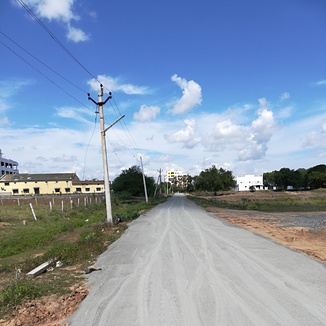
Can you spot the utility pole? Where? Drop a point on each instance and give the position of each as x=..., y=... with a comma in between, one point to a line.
x=160, y=184
x=100, y=104
x=144, y=180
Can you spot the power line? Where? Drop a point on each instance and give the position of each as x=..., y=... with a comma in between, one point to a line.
x=86, y=152
x=46, y=77
x=44, y=64
x=55, y=38
x=48, y=31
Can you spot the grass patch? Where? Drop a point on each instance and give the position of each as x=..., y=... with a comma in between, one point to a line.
x=312, y=201
x=75, y=237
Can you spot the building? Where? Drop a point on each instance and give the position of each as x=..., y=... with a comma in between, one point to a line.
x=47, y=184
x=250, y=182
x=7, y=166
x=177, y=179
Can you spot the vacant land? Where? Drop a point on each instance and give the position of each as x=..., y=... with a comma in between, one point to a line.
x=69, y=231
x=294, y=219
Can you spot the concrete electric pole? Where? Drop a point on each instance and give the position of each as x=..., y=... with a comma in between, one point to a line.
x=144, y=179
x=100, y=104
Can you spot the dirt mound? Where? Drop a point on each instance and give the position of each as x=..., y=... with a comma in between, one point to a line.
x=47, y=311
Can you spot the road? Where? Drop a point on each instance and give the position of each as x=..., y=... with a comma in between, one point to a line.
x=179, y=265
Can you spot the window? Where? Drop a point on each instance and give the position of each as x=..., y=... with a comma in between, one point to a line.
x=7, y=183
x=67, y=189
x=78, y=189
x=98, y=189
x=15, y=191
x=26, y=191
x=56, y=190
x=87, y=189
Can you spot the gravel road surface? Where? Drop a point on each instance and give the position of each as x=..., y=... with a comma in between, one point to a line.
x=179, y=265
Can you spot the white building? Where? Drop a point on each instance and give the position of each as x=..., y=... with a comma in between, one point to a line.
x=244, y=183
x=7, y=166
x=176, y=178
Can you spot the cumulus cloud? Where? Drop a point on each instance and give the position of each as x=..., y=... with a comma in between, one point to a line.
x=114, y=84
x=60, y=11
x=191, y=96
x=250, y=141
x=261, y=131
x=187, y=136
x=147, y=113
x=76, y=35
x=53, y=9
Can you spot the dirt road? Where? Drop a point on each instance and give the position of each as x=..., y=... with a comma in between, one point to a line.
x=179, y=265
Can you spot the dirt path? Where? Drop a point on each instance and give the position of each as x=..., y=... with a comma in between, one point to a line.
x=177, y=265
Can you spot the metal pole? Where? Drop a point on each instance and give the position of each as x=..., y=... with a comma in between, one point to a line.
x=105, y=161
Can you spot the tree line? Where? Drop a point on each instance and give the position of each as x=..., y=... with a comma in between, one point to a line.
x=130, y=182
x=312, y=178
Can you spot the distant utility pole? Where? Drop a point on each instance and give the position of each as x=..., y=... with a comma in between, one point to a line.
x=144, y=179
x=160, y=172
x=159, y=181
x=100, y=104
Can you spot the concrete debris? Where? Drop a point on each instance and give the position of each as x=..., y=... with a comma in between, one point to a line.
x=91, y=269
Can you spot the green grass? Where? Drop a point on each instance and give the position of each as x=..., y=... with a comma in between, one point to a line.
x=75, y=237
x=284, y=202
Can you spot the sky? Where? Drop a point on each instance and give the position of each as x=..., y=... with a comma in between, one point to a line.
x=236, y=84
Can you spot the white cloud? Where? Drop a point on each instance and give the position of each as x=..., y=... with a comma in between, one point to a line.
x=8, y=89
x=320, y=83
x=75, y=114
x=53, y=9
x=285, y=96
x=248, y=141
x=147, y=113
x=4, y=122
x=60, y=11
x=285, y=112
x=113, y=84
x=191, y=96
x=76, y=35
x=186, y=136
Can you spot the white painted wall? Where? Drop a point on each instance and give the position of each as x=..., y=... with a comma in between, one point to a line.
x=245, y=182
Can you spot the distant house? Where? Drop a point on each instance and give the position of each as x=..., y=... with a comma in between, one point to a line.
x=46, y=184
x=7, y=166
x=248, y=182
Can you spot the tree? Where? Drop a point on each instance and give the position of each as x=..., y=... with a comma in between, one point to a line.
x=214, y=179
x=316, y=176
x=130, y=182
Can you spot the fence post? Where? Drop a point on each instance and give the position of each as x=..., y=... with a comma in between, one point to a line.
x=31, y=206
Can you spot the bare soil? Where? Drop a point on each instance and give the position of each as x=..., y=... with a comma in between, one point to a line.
x=271, y=225
x=302, y=231
x=54, y=311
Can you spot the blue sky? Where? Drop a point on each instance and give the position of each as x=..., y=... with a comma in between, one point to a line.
x=238, y=84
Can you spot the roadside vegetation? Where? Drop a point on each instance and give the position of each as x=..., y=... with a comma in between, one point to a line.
x=264, y=201
x=72, y=239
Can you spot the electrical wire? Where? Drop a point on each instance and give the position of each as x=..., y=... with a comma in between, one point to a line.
x=86, y=152
x=44, y=64
x=47, y=30
x=46, y=77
